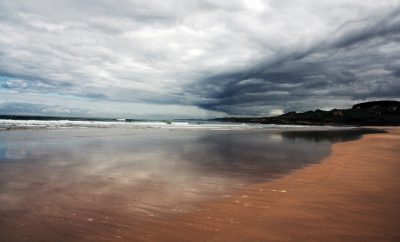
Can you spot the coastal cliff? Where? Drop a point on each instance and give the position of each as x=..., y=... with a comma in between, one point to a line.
x=374, y=113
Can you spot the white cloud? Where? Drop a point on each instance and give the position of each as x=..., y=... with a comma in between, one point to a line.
x=150, y=53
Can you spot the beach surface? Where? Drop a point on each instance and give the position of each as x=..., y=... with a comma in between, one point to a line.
x=353, y=195
x=350, y=194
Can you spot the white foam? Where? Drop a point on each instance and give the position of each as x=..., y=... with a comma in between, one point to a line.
x=59, y=124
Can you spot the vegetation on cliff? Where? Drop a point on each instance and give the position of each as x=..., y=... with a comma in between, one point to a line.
x=368, y=113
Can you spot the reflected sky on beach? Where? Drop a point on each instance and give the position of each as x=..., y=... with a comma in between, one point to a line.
x=144, y=173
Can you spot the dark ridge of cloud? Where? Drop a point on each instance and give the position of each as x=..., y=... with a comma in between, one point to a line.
x=24, y=84
x=237, y=57
x=120, y=95
x=389, y=25
x=20, y=108
x=32, y=85
x=396, y=73
x=325, y=71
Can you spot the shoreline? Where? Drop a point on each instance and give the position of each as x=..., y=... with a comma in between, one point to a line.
x=351, y=195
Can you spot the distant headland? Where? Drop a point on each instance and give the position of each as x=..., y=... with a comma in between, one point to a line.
x=376, y=113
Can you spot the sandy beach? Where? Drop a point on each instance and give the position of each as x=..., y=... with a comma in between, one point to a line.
x=350, y=195
x=353, y=195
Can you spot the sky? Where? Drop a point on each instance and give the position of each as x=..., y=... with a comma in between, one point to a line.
x=195, y=58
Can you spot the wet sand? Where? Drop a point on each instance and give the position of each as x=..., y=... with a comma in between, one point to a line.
x=353, y=195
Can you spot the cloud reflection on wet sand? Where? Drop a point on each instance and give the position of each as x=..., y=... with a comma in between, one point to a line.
x=67, y=184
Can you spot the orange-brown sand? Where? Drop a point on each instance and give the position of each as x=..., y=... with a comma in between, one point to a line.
x=353, y=195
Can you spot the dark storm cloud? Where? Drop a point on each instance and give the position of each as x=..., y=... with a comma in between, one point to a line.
x=386, y=26
x=200, y=58
x=352, y=66
x=15, y=83
x=39, y=109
